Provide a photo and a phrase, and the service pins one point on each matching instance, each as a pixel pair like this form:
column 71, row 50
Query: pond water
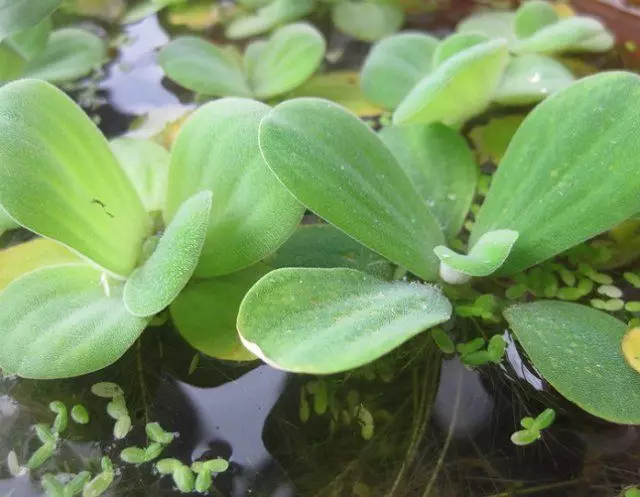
column 441, row 429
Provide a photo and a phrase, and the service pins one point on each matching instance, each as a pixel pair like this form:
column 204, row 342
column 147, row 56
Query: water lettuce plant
column 568, row 175
column 267, row 69
column 61, row 180
column 29, row 47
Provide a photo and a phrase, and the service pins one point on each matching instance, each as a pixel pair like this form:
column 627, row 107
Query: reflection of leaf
column 325, row 321
column 577, row 350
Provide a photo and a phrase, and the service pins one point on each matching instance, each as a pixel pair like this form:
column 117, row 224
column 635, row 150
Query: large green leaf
column 147, row 166
column 490, row 24
column 441, row 166
column 530, row 78
column 58, row 177
column 290, row 57
column 323, row 321
column 203, row 67
column 340, row 169
column 395, row 65
column 18, row 15
column 570, row 171
column 206, row 311
column 32, row 41
column 459, row 89
column 70, row 54
column 323, row 245
column 577, row 350
column 268, row 17
column 157, row 283
column 64, row 321
column 252, row 214
column 368, row 21
column 454, row 44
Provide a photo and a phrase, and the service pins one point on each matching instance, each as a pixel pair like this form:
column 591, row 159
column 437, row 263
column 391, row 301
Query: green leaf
column 157, row 283
column 571, row 34
column 532, row 16
column 441, row 167
column 322, row 245
column 147, row 165
column 21, row 259
column 18, row 15
column 395, row 65
column 146, row 8
column 291, row 56
column 70, row 54
column 203, row 67
column 252, row 54
column 206, row 311
column 531, row 78
column 455, row 44
column 485, row 257
column 577, row 350
column 492, row 139
column 459, row 89
column 570, row 171
column 51, row 151
column 368, row 21
column 490, row 24
column 340, row 169
column 266, row 18
column 323, row 321
column 252, row 214
column 31, row 41
column 61, row 321
column 12, row 64
column 544, row 419
column 525, row 437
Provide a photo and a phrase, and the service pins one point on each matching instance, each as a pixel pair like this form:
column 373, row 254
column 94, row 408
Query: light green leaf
column 454, row 44
column 368, row 21
column 571, row 34
column 577, row 350
column 32, row 41
column 441, row 167
column 61, row 321
column 147, row 165
column 252, row 214
column 322, row 245
column 485, row 257
column 340, row 169
column 146, row 8
column 323, row 321
column 291, row 56
column 206, row 311
column 12, row 64
column 51, row 151
column 252, row 54
column 531, row 78
column 157, row 283
column 70, row 54
column 490, row 24
column 533, row 16
column 570, row 171
column 6, row 222
column 459, row 89
column 18, row 15
column 266, row 18
column 203, row 67
column 395, row 65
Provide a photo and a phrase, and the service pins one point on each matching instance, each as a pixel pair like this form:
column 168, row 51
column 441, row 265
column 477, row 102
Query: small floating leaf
column 203, row 482
column 184, row 479
column 75, row 486
column 99, row 485
column 52, row 486
column 117, row 408
column 41, row 455
column 485, row 257
column 289, row 305
column 79, row 414
column 544, row 419
column 156, row 433
column 106, row 390
column 525, row 437
column 443, row 340
column 13, row 464
column 45, row 435
column 218, row 465
column 62, row 418
column 133, row 455
column 167, row 466
column 153, row 451
column 122, row 427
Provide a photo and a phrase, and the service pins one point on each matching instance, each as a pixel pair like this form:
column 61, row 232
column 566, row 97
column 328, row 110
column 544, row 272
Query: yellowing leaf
column 631, row 348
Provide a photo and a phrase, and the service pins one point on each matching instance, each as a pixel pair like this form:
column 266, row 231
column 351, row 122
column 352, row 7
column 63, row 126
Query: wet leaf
column 324, row 321
column 51, row 151
column 395, row 65
column 57, row 322
column 485, row 257
column 18, row 15
column 577, row 350
column 340, row 169
column 252, row 213
column 441, row 167
column 290, row 57
column 203, row 67
column 70, row 54
column 157, row 283
column 460, row 88
column 368, row 21
column 206, row 311
column 567, row 153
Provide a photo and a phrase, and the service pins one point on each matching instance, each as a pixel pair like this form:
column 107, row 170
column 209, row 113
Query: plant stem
column 539, row 488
